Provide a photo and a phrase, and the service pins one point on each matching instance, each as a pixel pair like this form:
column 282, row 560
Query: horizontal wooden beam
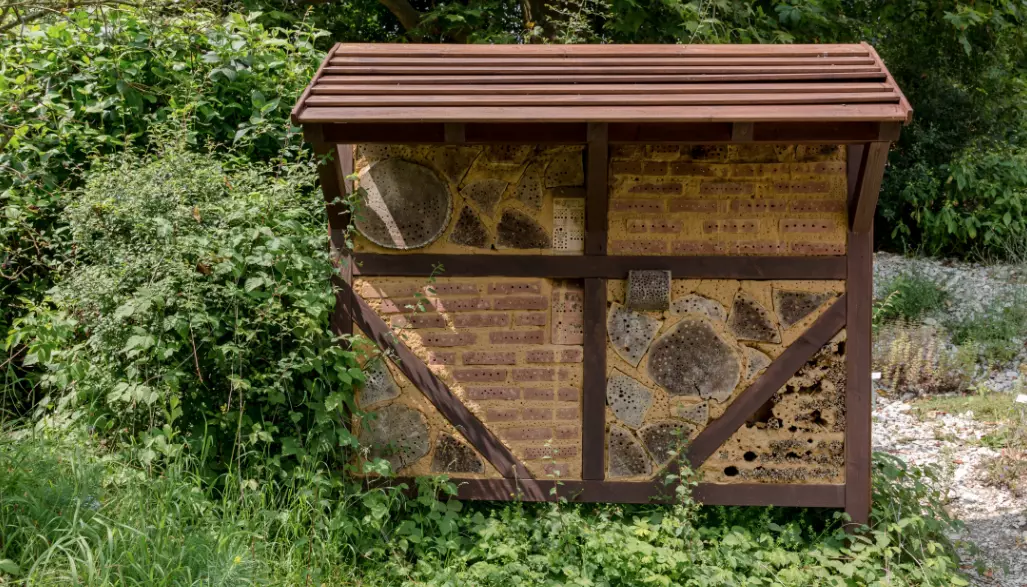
column 754, row 494
column 613, row 267
column 620, row 133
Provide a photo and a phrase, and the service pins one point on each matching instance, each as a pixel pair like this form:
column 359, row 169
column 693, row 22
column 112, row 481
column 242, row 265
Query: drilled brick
column 730, row 226
column 453, row 289
column 536, row 414
column 523, row 287
column 418, row 321
column 565, row 374
column 758, row 206
column 535, row 453
column 517, row 434
column 726, row 188
column 700, row 248
column 638, row 247
column 760, row 248
column 472, row 375
column 683, row 205
column 658, row 225
column 818, row 248
column 567, row 394
column 533, row 374
column 537, row 394
column 399, row 306
column 531, row 319
column 571, row 356
column 441, row 358
column 540, row 356
column 462, row 304
column 626, row 167
column 480, row 320
column 492, row 393
column 502, row 414
column 654, row 168
column 748, row 170
column 449, row 339
column 637, row 205
column 568, row 414
column 521, row 303
column 527, row 337
column 800, row 187
column 489, row 358
column 656, row 188
column 690, row 168
column 390, row 290
column 827, row 206
column 568, row 433
column 807, row 225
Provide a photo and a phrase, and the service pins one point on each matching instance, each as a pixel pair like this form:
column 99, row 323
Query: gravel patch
column 996, row 520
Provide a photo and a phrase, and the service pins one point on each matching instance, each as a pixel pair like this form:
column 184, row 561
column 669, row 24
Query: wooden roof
column 379, row 83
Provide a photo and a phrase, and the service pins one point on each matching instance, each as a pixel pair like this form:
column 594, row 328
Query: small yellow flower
column 236, row 560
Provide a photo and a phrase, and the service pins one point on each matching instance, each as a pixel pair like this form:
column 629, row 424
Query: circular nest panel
column 406, row 206
column 692, row 360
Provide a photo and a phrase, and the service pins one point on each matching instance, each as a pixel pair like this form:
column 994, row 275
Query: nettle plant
column 195, row 309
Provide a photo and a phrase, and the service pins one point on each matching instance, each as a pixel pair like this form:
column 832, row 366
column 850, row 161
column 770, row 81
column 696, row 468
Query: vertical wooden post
column 335, row 187
column 866, row 169
column 593, row 400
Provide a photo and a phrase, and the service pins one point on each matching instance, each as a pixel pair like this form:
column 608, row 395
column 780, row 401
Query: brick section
column 731, row 226
column 529, row 374
column 761, row 248
column 818, row 248
column 532, row 433
column 807, row 225
column 535, row 453
column 419, row 321
column 447, row 339
column 726, row 188
column 705, row 206
column 531, row 319
column 531, row 287
column 758, row 206
column 439, row 358
column 540, row 357
column 538, row 394
column 444, row 289
column 489, row 358
column 656, row 188
column 800, row 187
column 571, row 356
column 568, row 314
column 638, row 247
column 480, row 320
column 528, row 337
column 502, row 414
column 829, row 206
column 556, row 469
column 568, row 394
column 660, row 225
column 568, row 414
column 654, row 168
column 639, row 205
column 493, row 393
column 478, row 375
column 521, row 303
column 568, row 433
column 688, row 168
column 700, row 248
column 538, row 414
column 462, row 304
column 626, row 167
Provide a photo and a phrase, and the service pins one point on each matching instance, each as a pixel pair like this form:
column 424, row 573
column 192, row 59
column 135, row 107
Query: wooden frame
column 868, row 134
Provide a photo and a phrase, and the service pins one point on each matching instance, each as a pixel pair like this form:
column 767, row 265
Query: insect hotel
column 589, row 264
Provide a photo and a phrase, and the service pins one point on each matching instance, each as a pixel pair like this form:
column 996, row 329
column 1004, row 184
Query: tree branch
column 21, row 19
column 409, row 17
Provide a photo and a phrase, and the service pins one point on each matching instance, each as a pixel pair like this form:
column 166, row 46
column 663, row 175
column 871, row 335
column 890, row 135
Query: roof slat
column 605, row 88
column 372, row 49
column 626, row 69
column 328, row 78
column 558, row 61
column 599, row 99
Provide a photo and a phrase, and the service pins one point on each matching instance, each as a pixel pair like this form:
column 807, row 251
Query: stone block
column 696, row 413
column 469, row 230
column 529, row 188
column 693, row 360
column 698, row 304
column 566, row 169
column 793, row 306
column 398, row 434
column 625, row 456
column 517, row 230
column 661, row 438
column 485, row 193
column 405, row 205
column 630, row 332
column 628, row 399
column 454, row 456
column 757, row 361
column 379, row 386
column 749, row 320
column 648, row 291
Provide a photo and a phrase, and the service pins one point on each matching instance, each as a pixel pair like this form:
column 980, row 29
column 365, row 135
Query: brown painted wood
column 313, row 83
column 451, row 408
column 338, row 165
column 608, row 267
column 890, row 81
column 658, row 99
column 586, row 113
column 514, row 60
column 330, row 87
column 868, row 186
column 597, row 188
column 593, row 388
column 455, row 133
column 832, row 132
column 474, row 133
column 330, row 78
column 853, row 170
column 746, row 494
column 607, row 70
column 620, row 51
column 741, row 132
column 717, row 432
column 859, row 287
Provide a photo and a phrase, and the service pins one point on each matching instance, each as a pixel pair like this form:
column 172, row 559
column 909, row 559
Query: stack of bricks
column 731, row 200
column 509, row 349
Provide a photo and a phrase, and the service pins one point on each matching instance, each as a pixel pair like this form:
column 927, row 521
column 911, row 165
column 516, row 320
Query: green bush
column 196, row 308
column 999, row 332
column 910, row 297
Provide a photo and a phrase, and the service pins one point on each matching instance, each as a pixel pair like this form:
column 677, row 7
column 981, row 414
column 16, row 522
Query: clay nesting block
column 454, row 162
column 405, row 205
column 566, row 169
column 793, row 306
column 378, row 385
column 696, row 413
column 517, row 230
column 625, row 456
column 758, row 361
column 648, row 291
column 699, row 305
column 485, row 193
column 630, row 332
column 509, row 154
column 469, row 230
column 397, row 434
column 628, row 399
column 454, row 456
column 660, row 438
column 529, row 188
column 693, row 360
column 749, row 320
